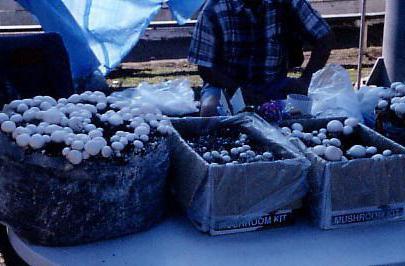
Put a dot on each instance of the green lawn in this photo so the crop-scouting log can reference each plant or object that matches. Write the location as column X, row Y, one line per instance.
column 131, row 77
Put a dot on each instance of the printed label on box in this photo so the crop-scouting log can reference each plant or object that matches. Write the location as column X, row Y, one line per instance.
column 368, row 215
column 276, row 219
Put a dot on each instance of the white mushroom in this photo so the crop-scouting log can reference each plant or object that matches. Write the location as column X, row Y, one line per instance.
column 234, row 151
column 387, row 153
column 75, row 98
column 297, row 134
column 78, row 145
column 124, row 140
column 65, row 151
column 250, row 153
column 75, row 157
column 347, row 130
column 400, row 109
column 321, row 136
column 85, row 155
column 76, row 124
column 377, row 157
column 3, row 117
column 138, row 144
column 357, row 151
column 106, row 152
column 117, row 146
column 37, row 141
column 8, row 126
column 95, row 133
column 335, row 126
column 22, row 108
column 23, row 140
column 333, row 154
column 307, row 136
column 144, row 138
column 335, row 142
column 319, row 150
column 268, row 155
column 16, row 118
column 297, row 126
column 93, row 147
column 142, row 130
column 382, row 104
column 316, row 140
column 115, row 120
column 352, row 122
column 58, row 136
column 371, row 150
column 226, row 158
column 215, row 154
column 246, row 147
column 102, row 142
column 154, row 123
column 286, row 131
column 162, row 130
column 45, row 106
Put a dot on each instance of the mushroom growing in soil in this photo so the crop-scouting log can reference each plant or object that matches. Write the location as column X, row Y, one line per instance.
column 357, row 151
column 333, row 154
column 334, row 126
column 75, row 127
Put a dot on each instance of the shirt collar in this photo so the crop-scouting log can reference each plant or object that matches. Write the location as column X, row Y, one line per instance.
column 238, row 5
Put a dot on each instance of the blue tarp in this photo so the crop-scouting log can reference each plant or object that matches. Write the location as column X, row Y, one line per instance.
column 98, row 34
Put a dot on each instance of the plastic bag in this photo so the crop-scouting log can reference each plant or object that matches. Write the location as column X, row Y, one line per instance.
column 333, row 95
column 368, row 98
column 99, row 34
column 173, row 98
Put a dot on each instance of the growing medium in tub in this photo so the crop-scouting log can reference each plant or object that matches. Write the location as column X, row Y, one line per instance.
column 227, row 145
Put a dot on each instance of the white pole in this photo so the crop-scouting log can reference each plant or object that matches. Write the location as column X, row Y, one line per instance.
column 361, row 42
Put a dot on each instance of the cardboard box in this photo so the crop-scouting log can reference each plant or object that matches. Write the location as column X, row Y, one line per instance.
column 361, row 191
column 222, row 199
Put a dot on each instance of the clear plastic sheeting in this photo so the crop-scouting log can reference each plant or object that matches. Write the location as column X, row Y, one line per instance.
column 332, row 93
column 368, row 98
column 360, row 191
column 172, row 98
column 224, row 198
column 182, row 10
column 98, row 34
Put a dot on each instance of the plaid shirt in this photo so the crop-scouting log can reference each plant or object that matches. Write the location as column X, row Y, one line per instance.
column 247, row 45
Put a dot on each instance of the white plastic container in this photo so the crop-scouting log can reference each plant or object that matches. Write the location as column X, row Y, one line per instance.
column 300, row 103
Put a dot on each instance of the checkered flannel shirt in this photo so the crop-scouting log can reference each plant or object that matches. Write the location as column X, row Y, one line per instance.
column 247, row 45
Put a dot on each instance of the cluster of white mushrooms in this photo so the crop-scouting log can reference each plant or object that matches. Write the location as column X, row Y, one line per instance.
column 393, row 99
column 79, row 124
column 241, row 152
column 327, row 143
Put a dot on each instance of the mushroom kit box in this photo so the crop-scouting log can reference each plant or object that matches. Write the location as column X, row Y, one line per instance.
column 357, row 175
column 230, row 177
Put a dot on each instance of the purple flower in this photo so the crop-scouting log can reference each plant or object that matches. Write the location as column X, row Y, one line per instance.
column 271, row 110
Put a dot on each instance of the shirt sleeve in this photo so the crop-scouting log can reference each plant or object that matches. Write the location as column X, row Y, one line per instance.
column 204, row 43
column 314, row 25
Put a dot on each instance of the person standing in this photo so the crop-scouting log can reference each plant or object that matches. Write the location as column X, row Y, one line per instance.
column 251, row 44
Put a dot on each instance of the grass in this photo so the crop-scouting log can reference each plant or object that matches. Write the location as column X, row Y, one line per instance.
column 161, row 74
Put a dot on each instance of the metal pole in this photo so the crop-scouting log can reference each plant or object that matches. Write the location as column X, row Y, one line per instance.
column 394, row 39
column 361, row 42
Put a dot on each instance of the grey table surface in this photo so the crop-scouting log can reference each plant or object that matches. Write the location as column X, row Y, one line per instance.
column 175, row 242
